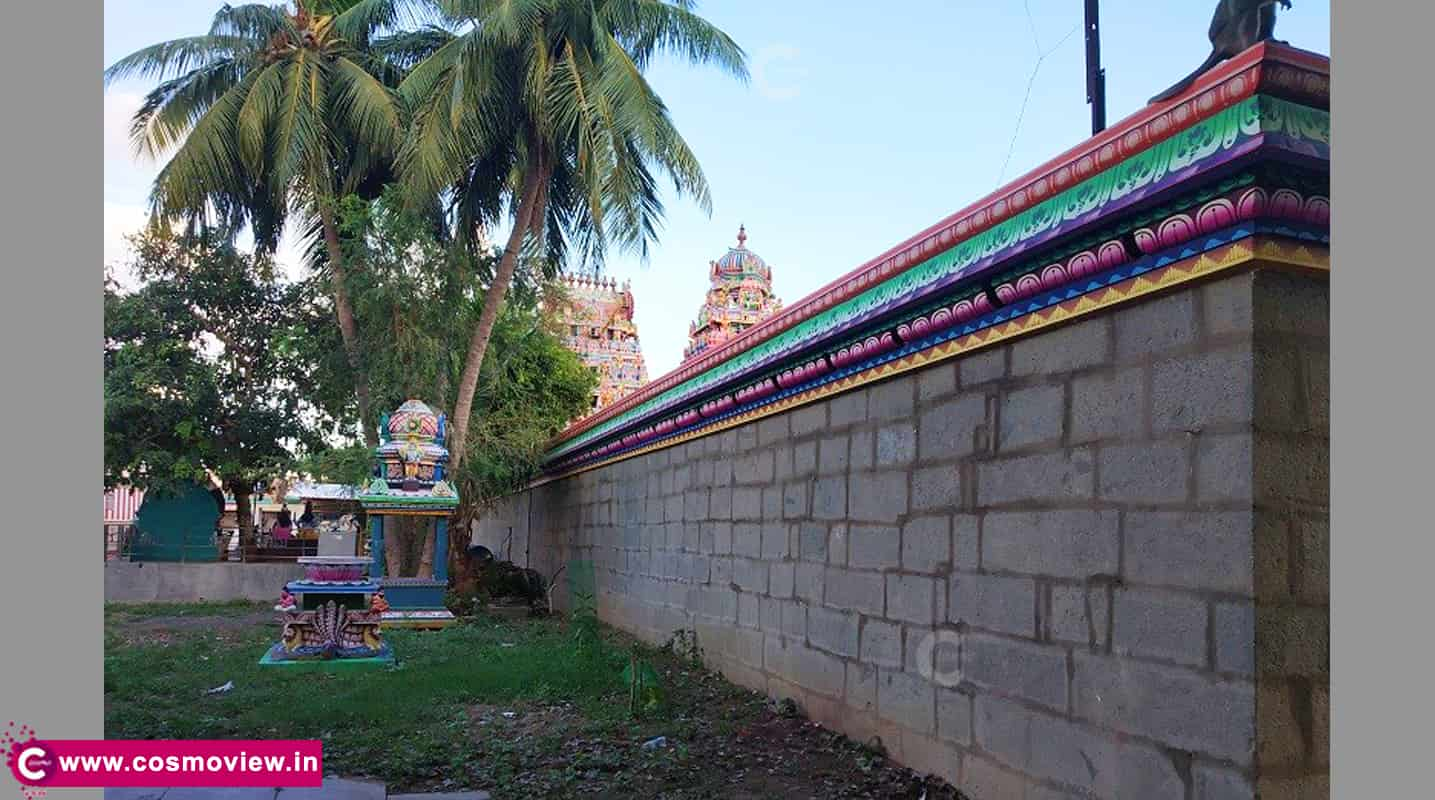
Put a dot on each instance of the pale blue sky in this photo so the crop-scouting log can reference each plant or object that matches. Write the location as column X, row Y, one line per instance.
column 862, row 124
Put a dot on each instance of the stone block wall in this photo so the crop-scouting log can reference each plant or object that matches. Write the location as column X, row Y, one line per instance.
column 1088, row 563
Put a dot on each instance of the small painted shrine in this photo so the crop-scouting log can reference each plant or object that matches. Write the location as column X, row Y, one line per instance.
column 410, row 480
column 598, row 325
column 740, row 296
column 333, row 616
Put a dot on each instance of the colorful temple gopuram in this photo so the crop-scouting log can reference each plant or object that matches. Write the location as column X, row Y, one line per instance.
column 739, row 297
column 598, row 325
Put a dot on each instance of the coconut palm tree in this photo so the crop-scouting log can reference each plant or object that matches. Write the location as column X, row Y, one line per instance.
column 276, row 112
column 542, row 107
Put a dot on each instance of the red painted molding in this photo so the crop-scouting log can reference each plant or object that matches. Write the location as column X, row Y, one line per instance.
column 1270, row 68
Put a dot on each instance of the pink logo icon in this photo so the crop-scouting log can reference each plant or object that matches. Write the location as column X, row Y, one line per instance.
column 30, row 760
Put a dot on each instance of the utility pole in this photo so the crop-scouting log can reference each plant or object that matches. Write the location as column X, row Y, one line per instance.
column 1095, row 75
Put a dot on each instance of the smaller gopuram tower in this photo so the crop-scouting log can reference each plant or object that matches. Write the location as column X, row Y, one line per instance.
column 739, row 297
column 597, row 324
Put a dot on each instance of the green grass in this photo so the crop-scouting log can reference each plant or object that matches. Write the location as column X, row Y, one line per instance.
column 436, row 720
column 402, row 723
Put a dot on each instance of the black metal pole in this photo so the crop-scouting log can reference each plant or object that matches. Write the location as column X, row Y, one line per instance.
column 1095, row 75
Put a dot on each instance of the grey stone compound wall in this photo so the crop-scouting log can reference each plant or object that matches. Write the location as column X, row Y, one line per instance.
column 1090, row 563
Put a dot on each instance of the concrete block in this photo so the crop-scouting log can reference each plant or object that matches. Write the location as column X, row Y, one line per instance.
column 950, row 430
column 747, row 539
column 721, row 536
column 808, row 419
column 774, row 541
column 748, row 612
column 936, row 489
column 937, row 381
column 1016, row 668
column 747, row 503
column 829, row 498
column 966, row 542
column 854, row 591
column 794, row 500
column 847, row 409
column 810, row 580
column 1079, row 615
column 881, row 644
column 720, row 503
column 1152, row 623
column 927, row 544
column 794, row 619
column 912, row 598
column 907, row 700
column 695, row 504
column 1064, row 544
column 782, row 579
column 750, row 575
column 770, row 615
column 833, row 454
column 954, row 716
column 1225, row 468
column 1172, row 705
column 982, row 367
column 1064, row 349
column 994, row 602
column 833, row 631
column 1312, row 537
column 1217, row 783
column 877, row 496
column 1191, row 393
column 897, row 444
column 1147, row 473
column 861, row 452
column 1156, row 326
column 1227, row 307
column 893, row 399
column 873, row 546
column 812, row 542
column 838, row 540
column 1209, row 551
column 1044, row 477
column 983, row 778
column 1032, row 416
column 814, row 670
column 1280, row 746
column 861, row 691
column 773, row 429
column 1235, row 638
column 1293, row 640
column 804, row 458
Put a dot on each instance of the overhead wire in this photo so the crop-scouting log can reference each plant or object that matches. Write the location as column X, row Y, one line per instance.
column 1041, row 55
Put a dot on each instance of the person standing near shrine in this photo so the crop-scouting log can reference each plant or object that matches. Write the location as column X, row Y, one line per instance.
column 283, row 526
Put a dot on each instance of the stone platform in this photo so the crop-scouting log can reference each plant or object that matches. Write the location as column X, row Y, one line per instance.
column 328, row 665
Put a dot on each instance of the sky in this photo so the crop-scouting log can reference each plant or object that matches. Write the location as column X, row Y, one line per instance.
column 862, row 124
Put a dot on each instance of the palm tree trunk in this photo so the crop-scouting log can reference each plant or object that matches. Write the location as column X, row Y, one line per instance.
column 348, row 330
column 425, row 569
column 492, row 303
column 243, row 514
column 394, row 530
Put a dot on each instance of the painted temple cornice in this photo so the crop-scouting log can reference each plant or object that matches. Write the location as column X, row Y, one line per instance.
column 1121, row 200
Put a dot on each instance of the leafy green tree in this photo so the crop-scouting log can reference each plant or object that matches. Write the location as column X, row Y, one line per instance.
column 418, row 296
column 542, row 105
column 273, row 111
column 196, row 381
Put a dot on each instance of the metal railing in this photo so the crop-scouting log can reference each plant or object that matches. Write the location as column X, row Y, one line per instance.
column 125, row 542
